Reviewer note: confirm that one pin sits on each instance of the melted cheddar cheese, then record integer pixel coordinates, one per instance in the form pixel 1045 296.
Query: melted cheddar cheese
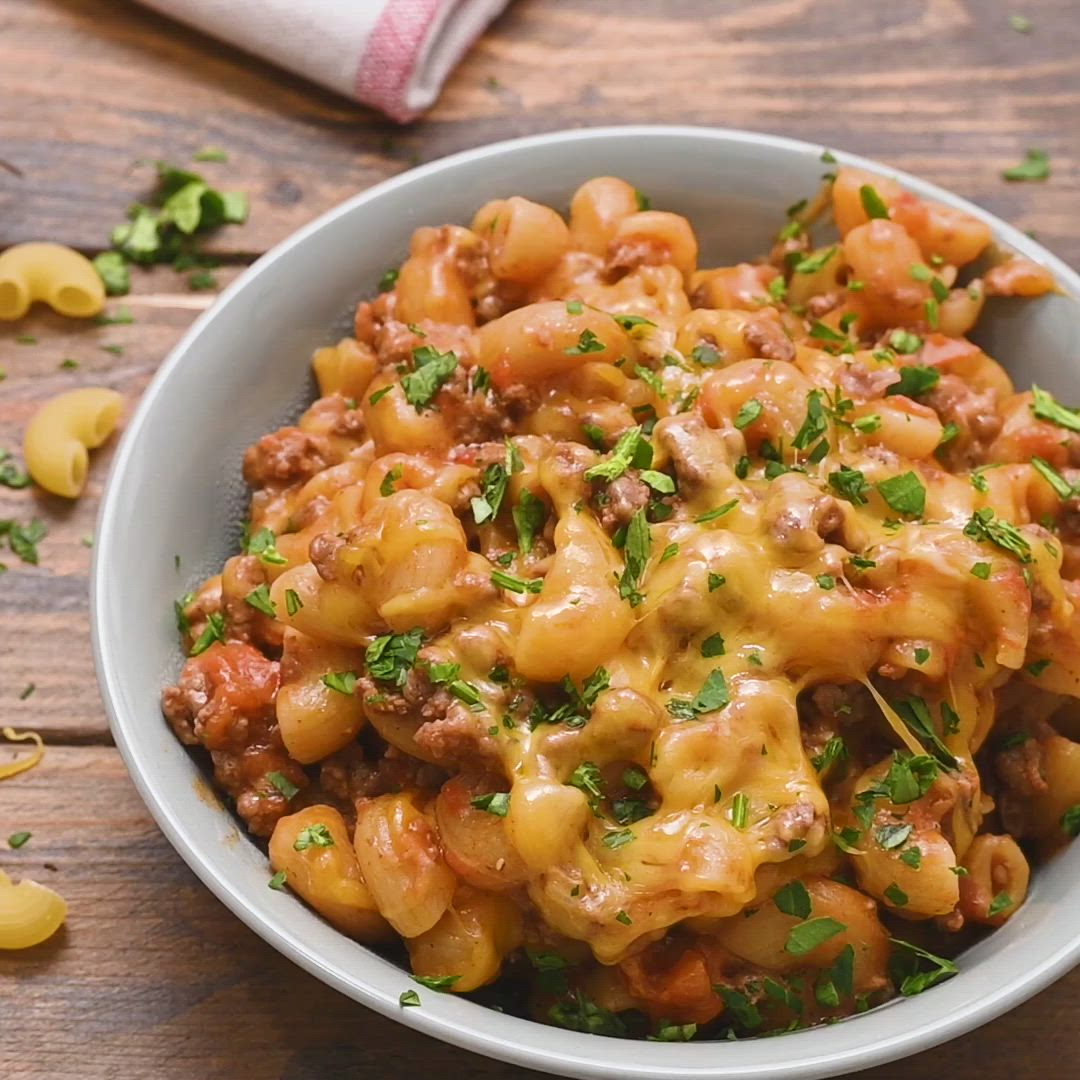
pixel 652 618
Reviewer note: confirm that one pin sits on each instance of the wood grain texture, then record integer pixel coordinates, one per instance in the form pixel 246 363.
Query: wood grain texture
pixel 153 977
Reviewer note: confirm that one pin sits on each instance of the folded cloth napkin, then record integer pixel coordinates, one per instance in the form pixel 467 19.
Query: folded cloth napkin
pixel 391 54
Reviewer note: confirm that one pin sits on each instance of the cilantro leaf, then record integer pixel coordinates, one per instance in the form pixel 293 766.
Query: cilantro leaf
pixel 904 493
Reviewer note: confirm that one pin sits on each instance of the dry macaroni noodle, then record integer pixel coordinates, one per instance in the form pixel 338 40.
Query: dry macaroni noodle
pixel 61 431
pixel 58 275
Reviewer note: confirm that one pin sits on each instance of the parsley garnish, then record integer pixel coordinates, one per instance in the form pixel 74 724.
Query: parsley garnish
pixel 18 839
pixel 893 836
pixel 833 751
pixel 718 512
pixel 826 582
pixel 497 803
pixel 293 603
pixel 515 584
pixel 259 599
pixel 390 658
pixel 905 342
pixel 1046 407
pixel 343 682
pixel 409 998
pixel 587 343
pixel 793 899
pixel 433 370
pixel 1035 166
pixel 715 581
pixel 849 484
pixel 707 355
pixel 620 458
pixel 1062 488
pixel 11 476
pixel 313 836
pixel 915 380
pixel 386 488
pixel 636 552
pixel 813 263
pixel 750 411
pixel 436 982
pixel 529 516
pixel 1001 902
pixel 1070 821
pixel 808 935
pixel 909 971
pixel 712 646
pixel 905 494
pixel 1003 534
pixel 283 784
pixel 815 425
pixel 215 631
pixel 262 543
pixel 577 1013
pixel 872 202
pixel 712 696
pixel 277 882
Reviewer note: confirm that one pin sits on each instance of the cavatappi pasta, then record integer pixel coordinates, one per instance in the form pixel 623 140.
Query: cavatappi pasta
pixel 692 651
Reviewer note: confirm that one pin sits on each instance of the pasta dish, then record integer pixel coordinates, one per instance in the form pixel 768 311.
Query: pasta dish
pixel 659 651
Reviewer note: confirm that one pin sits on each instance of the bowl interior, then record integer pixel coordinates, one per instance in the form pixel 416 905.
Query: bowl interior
pixel 176 494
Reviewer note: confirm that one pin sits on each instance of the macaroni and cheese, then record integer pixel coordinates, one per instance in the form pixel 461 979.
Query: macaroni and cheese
pixel 689 650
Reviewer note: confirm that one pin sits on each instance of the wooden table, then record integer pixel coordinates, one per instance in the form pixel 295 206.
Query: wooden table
pixel 152 976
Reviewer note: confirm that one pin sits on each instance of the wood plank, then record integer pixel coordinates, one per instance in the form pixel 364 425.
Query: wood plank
pixel 940 87
pixel 153 977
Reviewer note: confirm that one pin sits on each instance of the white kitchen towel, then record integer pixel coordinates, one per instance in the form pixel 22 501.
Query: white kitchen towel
pixel 391 54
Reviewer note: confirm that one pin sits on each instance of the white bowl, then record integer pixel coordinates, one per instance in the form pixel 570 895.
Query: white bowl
pixel 243 369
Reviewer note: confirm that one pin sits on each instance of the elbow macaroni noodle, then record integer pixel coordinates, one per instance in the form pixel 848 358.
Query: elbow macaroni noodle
pixel 665 638
pixel 61 432
pixel 61 277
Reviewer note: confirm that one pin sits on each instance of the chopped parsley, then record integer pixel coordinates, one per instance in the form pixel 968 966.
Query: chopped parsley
pixel 1062 488
pixel 620 459
pixel 1046 407
pixel 1001 533
pixel 712 696
pixel 905 342
pixel 915 713
pixel 390 658
pixel 912 857
pixel 18 839
pixel 432 370
pixel 712 646
pixel 576 1012
pixel 813 263
pixel 409 998
pixel 616 840
pixel 283 784
pixel 436 982
pixel 343 682
pixel 263 544
pixel 915 380
pixel 293 603
pixel 497 803
pixel 905 494
pixel 749 412
pixel 529 516
pixel 636 552
pixel 11 476
pixel 896 896
pixel 1035 166
pixel 513 584
pixel 740 810
pixel 815 425
pixel 259 599
pixel 277 882
pixel 850 484
pixel 893 836
pixel 1001 902
pixel 707 355
pixel 807 936
pixel 793 899
pixel 1070 821
pixel 718 512
pixel 872 202
pixel 826 582
pixel 834 750
pixel 715 581
pixel 914 970
pixel 386 488
pixel 587 343
pixel 214 631
pixel 317 835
